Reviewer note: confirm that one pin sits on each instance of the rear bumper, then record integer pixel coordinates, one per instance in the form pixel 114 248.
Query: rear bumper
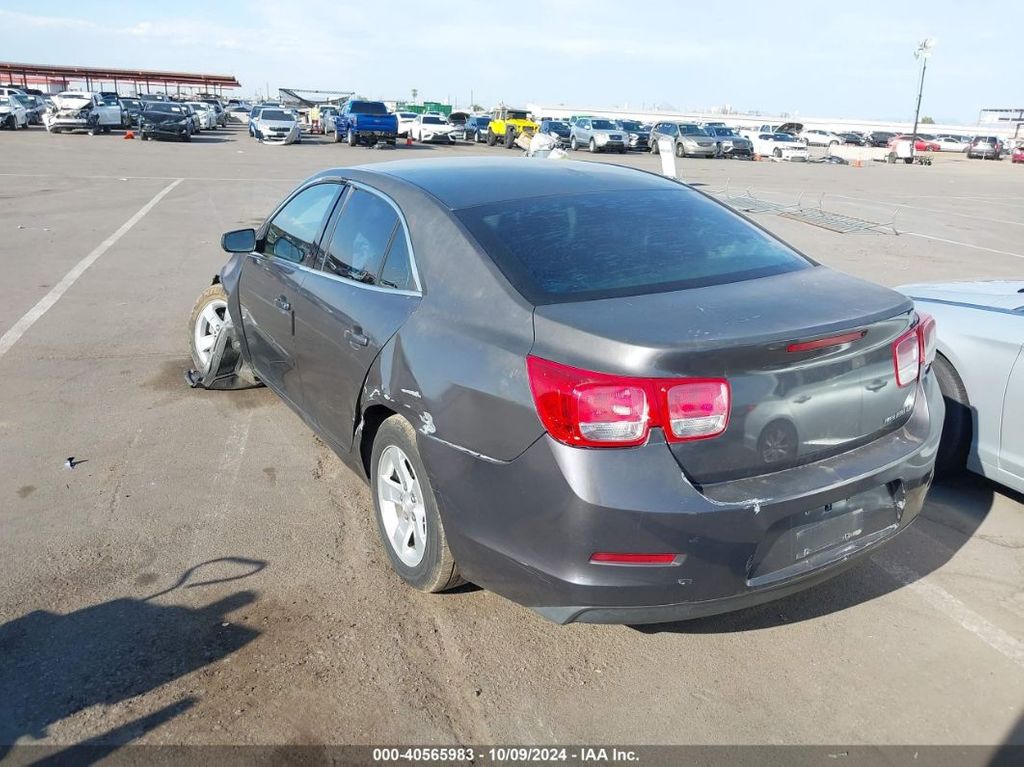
pixel 526 529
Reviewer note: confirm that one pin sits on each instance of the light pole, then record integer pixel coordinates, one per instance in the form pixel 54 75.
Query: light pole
pixel 924 50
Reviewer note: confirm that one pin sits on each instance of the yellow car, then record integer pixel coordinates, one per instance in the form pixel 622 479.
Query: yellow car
pixel 507 124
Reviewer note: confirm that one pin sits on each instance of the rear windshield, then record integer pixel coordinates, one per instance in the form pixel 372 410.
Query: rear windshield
pixel 587 246
pixel 368 108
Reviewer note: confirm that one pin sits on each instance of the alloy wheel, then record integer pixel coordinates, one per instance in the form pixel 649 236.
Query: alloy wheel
pixel 401 506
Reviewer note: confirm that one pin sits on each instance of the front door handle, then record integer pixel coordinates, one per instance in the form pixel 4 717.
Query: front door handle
pixel 876 385
pixel 357 338
pixel 281 302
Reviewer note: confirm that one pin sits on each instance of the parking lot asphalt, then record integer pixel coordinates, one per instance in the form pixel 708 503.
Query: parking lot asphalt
pixel 209 572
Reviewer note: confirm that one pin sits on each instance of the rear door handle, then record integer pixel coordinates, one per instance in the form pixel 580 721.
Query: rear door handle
pixel 876 385
pixel 281 302
pixel 356 338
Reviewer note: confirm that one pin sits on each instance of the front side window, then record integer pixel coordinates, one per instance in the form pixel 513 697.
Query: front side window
pixel 293 232
pixel 361 237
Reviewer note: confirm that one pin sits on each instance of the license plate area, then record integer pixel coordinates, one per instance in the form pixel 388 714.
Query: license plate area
pixel 815 537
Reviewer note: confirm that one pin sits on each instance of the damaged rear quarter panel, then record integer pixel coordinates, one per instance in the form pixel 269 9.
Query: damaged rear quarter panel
pixel 457 367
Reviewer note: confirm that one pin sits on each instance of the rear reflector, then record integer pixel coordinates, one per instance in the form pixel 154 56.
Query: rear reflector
pixel 822 343
pixel 605 558
pixel 588 409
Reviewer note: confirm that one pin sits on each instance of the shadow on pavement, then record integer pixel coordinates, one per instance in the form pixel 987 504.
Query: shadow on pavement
pixel 956 508
pixel 53 666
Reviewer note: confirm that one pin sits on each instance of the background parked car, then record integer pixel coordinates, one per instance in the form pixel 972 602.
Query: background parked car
pixel 431 128
pixel 1018 154
pixel 985 148
pixel 405 121
pixel 878 138
pixel 819 137
pixel 952 143
pixel 689 139
pixel 782 146
pixel 921 145
pixel 637 137
pixel 597 135
pixel 729 143
pixel 476 128
pixel 164 119
pixel 852 139
pixel 83 110
pixel 206 118
pixel 275 125
pixel 12 113
pixel 557 129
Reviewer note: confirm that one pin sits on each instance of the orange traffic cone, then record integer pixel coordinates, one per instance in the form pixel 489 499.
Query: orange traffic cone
pixel 408 140
pixel 129 134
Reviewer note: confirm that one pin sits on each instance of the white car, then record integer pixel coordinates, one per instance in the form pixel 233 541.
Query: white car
pixel 239 114
pixel 952 143
pixel 405 122
pixel 818 137
pixel 781 146
pixel 13 114
pixel 82 110
pixel 276 125
pixel 432 127
pixel 206 117
pixel 327 117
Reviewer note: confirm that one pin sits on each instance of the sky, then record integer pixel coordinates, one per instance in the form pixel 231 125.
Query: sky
pixel 822 59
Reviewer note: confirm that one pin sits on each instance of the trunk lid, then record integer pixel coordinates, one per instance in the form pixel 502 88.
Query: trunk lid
pixel 787 407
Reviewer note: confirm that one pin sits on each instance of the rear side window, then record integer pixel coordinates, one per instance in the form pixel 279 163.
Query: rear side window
pixel 589 246
pixel 361 238
pixel 368 108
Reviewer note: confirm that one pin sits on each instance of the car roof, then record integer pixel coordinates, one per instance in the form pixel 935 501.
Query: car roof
pixel 467 182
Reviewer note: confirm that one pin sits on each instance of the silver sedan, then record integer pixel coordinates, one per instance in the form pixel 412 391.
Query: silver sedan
pixel 980 369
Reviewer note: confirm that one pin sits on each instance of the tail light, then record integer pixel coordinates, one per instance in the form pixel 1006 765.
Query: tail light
pixel 914 351
pixel 588 409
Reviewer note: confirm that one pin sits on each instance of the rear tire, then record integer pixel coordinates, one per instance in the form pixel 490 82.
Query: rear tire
pixel 491 138
pixel 654 147
pixel 436 570
pixel 958 426
pixel 510 138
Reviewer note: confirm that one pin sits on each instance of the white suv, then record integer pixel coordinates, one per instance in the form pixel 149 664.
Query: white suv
pixel 818 137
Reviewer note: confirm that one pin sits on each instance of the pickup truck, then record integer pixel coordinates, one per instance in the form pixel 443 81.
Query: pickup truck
pixel 366 122
pixel 82 110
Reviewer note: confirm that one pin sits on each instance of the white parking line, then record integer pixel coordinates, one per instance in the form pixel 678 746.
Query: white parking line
pixel 962 244
pixel 945 602
pixel 8 339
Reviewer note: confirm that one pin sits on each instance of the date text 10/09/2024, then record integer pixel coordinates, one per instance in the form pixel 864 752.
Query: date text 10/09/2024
pixel 503 754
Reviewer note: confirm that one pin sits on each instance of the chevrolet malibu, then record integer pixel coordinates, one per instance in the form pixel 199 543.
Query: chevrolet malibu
pixel 591 389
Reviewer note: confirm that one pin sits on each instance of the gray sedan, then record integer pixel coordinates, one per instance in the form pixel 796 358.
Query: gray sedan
pixel 980 368
pixel 542 415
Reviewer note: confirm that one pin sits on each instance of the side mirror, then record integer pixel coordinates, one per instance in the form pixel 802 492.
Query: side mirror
pixel 239 241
